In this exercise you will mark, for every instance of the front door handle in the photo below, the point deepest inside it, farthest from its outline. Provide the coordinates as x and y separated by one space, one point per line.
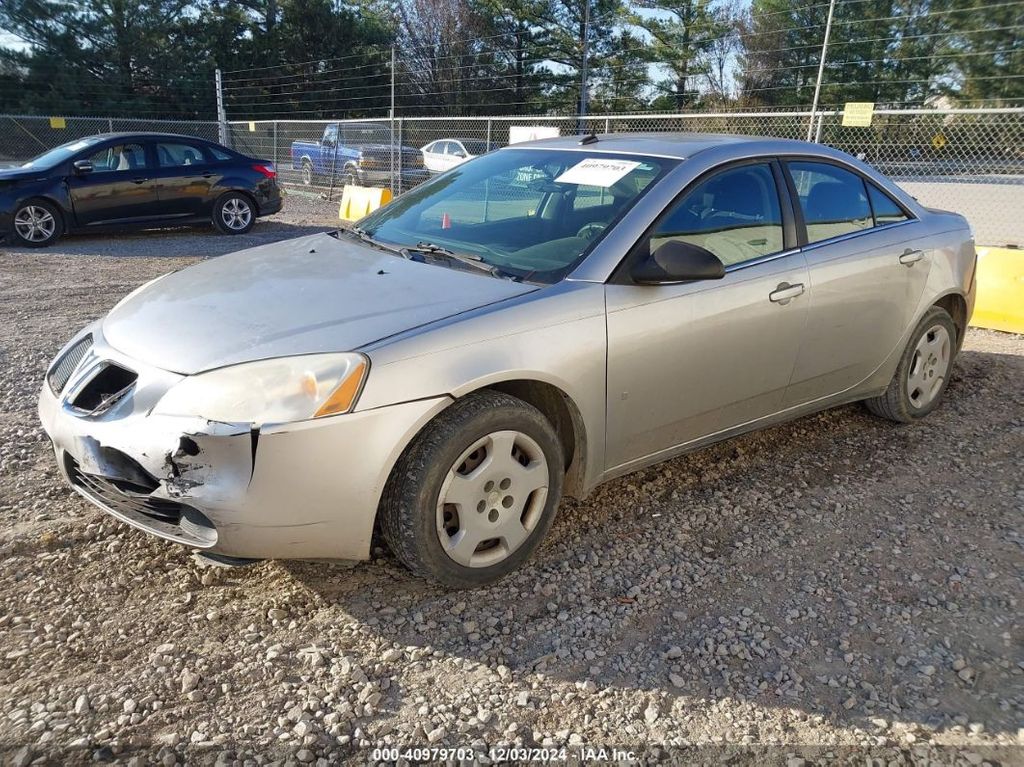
139 180
911 257
785 293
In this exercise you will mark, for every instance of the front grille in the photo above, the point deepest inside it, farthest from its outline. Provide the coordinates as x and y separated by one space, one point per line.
66 365
130 499
109 385
124 496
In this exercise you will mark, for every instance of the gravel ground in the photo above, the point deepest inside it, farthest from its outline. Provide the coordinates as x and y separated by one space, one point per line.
832 588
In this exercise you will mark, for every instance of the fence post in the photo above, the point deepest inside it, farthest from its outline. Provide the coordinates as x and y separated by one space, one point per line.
222 117
392 117
275 147
401 159
110 124
607 125
817 135
488 139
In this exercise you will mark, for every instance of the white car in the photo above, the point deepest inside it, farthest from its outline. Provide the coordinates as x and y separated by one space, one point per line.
445 154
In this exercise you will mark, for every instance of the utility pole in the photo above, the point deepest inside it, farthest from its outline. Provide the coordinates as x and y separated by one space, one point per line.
821 69
222 117
583 67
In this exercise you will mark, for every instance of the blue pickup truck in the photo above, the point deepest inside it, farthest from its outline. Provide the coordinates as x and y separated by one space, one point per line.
358 153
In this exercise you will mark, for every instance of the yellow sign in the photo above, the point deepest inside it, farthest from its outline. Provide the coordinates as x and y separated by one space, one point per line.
858 114
58 123
252 127
938 141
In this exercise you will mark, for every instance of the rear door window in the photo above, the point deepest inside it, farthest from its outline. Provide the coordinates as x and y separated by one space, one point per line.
178 155
833 200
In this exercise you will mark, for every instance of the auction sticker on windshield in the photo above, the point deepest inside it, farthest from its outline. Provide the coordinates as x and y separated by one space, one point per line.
597 171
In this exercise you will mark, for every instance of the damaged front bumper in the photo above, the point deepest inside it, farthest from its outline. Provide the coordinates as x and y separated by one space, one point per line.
302 490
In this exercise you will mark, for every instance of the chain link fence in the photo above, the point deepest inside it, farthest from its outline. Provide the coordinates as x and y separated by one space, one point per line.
23 137
968 160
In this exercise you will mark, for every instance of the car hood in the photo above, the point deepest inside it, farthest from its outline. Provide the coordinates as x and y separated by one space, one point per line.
19 174
312 294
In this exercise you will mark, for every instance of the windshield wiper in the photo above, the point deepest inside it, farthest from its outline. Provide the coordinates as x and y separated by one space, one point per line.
369 240
476 262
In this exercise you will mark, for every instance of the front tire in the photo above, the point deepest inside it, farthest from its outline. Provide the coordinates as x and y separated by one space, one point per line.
234 213
307 173
923 373
474 494
36 224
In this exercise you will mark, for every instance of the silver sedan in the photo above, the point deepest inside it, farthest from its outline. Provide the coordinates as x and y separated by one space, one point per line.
527 325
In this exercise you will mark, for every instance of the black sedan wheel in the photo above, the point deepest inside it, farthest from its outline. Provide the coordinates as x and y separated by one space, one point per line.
234 213
37 224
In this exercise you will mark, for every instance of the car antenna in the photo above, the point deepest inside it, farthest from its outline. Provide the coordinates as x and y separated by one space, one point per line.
590 138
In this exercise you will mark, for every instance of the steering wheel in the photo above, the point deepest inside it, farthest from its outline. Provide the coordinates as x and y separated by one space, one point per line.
594 226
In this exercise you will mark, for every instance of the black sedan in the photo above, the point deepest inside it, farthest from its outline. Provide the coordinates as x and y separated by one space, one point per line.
150 179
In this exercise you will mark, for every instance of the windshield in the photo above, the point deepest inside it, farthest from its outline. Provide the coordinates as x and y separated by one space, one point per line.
356 133
476 146
533 213
63 152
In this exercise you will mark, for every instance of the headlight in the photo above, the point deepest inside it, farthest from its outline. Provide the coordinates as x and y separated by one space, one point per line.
271 391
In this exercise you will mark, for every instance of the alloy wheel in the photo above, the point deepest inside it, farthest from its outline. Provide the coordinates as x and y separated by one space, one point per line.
236 213
929 366
35 223
492 498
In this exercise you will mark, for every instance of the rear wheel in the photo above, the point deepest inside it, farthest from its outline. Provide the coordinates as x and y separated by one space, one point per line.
473 496
307 173
37 223
234 213
923 373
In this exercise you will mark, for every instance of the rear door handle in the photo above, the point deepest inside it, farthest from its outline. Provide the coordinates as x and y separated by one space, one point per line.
207 174
785 293
911 257
139 180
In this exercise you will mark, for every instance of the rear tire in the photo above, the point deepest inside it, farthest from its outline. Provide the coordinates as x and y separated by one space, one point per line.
36 224
307 173
234 213
474 494
923 373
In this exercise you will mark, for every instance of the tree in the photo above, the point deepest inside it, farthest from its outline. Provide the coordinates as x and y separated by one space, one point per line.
623 80
682 36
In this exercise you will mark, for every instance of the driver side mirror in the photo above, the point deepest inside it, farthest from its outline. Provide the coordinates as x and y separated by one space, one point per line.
82 167
677 261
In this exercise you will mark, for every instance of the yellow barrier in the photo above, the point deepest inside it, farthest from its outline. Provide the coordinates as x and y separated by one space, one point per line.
359 201
1000 301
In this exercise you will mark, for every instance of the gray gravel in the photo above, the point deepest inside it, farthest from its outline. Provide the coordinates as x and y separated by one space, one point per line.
831 587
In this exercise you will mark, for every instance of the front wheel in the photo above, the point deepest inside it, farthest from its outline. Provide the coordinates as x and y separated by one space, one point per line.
472 497
923 372
234 213
37 224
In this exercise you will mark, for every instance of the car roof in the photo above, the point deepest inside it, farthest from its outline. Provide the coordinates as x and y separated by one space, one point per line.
675 145
148 134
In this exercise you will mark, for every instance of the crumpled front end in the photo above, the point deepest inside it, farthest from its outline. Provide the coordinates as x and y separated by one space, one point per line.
304 490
